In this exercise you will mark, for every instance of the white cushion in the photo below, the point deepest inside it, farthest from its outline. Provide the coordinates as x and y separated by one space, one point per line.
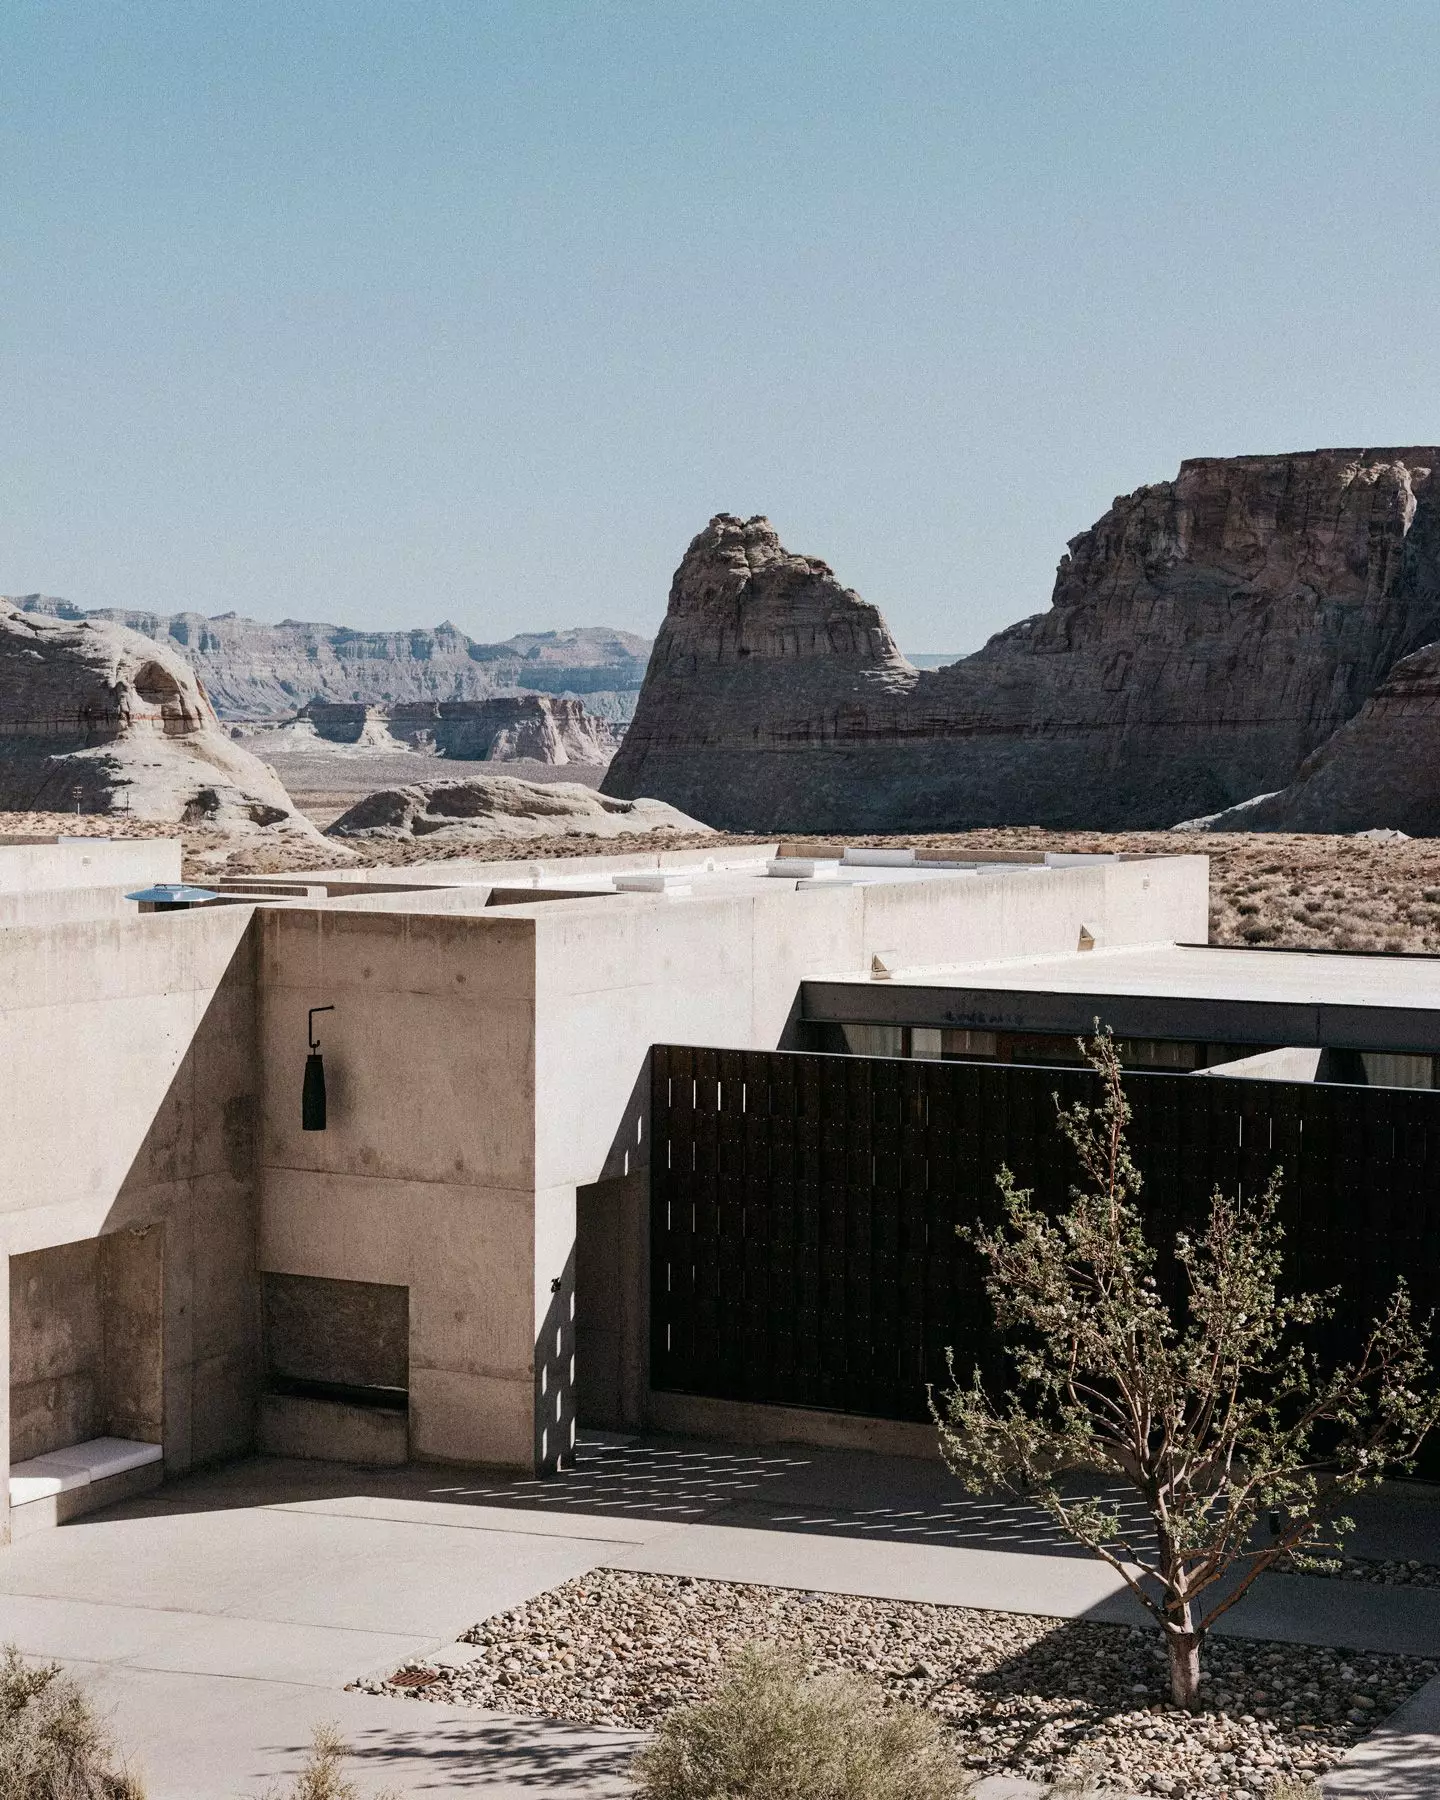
44 1476
107 1456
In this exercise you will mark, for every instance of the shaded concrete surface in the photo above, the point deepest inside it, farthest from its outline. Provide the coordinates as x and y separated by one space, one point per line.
198 1737
1398 1761
223 1615
418 1750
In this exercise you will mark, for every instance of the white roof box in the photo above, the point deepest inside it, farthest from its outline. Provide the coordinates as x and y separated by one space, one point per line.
653 881
879 859
802 868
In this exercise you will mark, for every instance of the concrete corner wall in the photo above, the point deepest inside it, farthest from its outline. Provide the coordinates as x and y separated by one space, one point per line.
425 1175
129 1046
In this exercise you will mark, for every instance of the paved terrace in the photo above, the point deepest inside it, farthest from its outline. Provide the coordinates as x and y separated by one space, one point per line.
222 1616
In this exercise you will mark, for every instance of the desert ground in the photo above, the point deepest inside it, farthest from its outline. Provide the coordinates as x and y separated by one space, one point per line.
1310 892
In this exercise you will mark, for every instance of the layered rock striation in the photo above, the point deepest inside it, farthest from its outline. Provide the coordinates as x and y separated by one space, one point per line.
1381 769
509 728
1203 639
96 717
256 671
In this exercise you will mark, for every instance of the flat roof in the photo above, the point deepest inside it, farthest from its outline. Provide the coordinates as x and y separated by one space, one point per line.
726 869
1181 991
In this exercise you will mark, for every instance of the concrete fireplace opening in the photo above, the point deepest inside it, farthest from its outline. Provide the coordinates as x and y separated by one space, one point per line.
337 1369
86 1375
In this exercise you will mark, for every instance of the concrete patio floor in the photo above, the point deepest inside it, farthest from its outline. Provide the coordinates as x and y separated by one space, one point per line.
222 1616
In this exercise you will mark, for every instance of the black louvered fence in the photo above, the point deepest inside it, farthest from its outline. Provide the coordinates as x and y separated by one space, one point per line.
803 1207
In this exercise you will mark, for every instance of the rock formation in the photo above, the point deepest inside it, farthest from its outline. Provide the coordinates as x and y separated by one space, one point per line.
1379 770
1204 637
95 714
257 671
509 728
499 806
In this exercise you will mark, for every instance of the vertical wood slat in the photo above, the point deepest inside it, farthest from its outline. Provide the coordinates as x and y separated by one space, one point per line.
804 1207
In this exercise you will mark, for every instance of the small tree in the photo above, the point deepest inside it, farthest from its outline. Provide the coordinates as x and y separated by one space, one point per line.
1211 1409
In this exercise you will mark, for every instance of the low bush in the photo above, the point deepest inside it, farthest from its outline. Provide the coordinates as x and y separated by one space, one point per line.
52 1746
322 1777
773 1732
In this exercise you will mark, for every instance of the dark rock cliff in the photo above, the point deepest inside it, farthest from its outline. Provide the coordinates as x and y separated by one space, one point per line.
1204 637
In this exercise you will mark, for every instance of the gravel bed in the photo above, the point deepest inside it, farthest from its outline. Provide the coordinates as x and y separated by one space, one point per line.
1377 1571
1026 1696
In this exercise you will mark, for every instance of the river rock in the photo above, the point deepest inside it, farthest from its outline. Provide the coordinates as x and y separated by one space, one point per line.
1204 638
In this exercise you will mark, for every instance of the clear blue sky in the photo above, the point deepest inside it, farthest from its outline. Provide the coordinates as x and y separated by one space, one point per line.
388 312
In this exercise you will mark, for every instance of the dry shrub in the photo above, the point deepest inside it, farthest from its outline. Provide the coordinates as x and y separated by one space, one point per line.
772 1732
52 1747
323 1776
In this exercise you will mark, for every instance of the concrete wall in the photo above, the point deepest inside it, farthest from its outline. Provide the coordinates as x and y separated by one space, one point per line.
425 1176
45 866
87 1342
129 1047
614 977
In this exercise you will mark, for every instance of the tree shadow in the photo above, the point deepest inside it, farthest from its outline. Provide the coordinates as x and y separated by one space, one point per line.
484 1753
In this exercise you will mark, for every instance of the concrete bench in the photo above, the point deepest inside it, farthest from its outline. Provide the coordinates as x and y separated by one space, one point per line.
71 1473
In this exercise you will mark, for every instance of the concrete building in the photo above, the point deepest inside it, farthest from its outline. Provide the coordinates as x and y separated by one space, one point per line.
192 1273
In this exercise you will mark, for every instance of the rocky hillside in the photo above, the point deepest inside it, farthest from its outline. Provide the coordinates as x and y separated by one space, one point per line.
508 728
95 718
483 808
257 671
1377 770
1203 639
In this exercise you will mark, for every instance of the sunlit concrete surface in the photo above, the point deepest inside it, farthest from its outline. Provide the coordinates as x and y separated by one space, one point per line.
224 1615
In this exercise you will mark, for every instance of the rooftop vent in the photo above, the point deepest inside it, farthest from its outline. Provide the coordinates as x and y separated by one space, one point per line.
172 896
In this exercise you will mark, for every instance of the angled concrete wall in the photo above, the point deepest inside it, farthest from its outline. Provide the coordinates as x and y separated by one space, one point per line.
615 977
129 1047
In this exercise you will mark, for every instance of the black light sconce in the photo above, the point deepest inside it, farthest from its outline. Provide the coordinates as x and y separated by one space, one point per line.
312 1094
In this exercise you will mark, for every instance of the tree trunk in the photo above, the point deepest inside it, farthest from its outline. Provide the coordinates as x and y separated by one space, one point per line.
1184 1648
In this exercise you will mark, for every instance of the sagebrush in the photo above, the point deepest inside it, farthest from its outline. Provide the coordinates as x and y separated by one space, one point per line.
771 1731
52 1746
322 1775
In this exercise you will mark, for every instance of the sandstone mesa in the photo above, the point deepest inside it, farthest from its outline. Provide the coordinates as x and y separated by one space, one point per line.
96 718
257 671
1205 638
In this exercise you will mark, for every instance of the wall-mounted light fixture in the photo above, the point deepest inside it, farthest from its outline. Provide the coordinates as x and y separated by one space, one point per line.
312 1094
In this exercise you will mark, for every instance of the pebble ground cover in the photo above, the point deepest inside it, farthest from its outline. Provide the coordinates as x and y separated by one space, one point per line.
1034 1697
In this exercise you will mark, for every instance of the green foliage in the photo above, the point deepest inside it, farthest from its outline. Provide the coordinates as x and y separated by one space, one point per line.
1241 1446
52 1747
770 1732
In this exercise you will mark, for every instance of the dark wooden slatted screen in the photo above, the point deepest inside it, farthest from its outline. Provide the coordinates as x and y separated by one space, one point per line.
804 1207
